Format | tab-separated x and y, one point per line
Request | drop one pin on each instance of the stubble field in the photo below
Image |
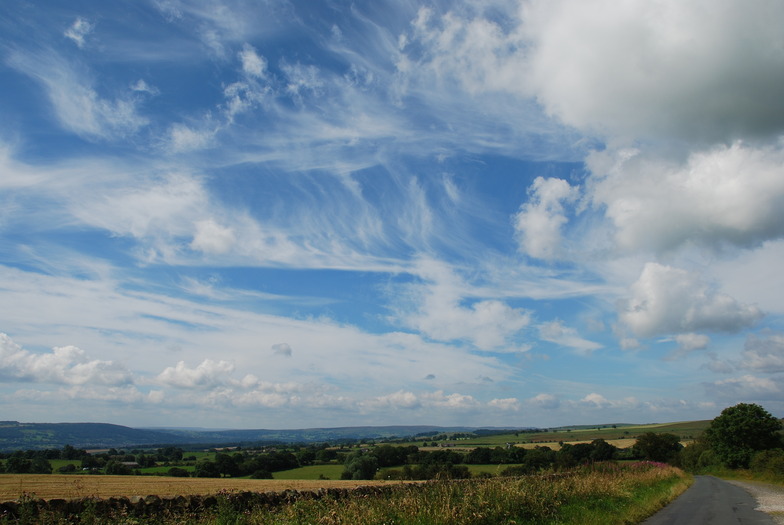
50	486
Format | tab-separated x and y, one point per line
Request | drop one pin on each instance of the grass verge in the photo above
606	494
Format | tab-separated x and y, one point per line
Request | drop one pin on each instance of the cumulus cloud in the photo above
510	403
66	365
668	300
598	401
541	218
399	399
546	401
764	355
79	30
207	374
697	70
595	400
728	195
450	401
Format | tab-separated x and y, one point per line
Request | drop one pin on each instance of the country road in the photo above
711	501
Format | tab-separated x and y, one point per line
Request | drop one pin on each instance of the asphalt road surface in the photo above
711	501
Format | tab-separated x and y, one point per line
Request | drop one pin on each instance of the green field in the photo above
311	472
687	430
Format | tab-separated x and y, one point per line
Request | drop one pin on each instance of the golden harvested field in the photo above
72	487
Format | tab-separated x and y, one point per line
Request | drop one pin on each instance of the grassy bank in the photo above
607	494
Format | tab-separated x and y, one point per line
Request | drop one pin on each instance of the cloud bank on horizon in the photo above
286	213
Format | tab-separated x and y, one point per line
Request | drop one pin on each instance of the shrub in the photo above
768	462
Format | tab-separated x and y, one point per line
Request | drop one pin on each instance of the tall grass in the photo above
606	494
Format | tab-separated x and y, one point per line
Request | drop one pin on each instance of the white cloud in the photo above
764	355
700	70
595	400
488	324
728	195
67	365
598	401
667	300
253	64
77	104
689	342
79	30
183	138
449	401
207	374
546	401
158	208
557	333
302	79
747	387
510	404
212	238
541	219
143	87
399	399
472	49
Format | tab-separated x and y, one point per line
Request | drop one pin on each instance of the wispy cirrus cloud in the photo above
79	30
77	104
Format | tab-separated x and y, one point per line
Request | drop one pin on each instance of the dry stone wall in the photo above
150	506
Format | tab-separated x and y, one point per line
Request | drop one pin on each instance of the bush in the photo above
768	462
261	474
177	472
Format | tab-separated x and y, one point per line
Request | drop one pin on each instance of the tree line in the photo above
743	436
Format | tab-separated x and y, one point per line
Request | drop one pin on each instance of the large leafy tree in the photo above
742	430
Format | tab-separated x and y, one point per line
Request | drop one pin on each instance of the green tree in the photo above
206	469
360	466
40	466
742	430
116	468
658	447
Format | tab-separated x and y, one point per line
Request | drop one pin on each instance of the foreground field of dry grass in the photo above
51	486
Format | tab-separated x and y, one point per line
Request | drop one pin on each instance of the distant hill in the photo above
26	436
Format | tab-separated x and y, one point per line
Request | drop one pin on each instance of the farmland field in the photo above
311	473
621	436
50	486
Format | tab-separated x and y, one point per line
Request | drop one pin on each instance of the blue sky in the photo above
278	214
